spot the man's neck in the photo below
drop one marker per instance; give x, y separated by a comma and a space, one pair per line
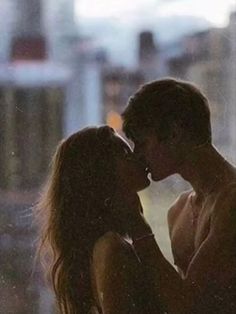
206, 170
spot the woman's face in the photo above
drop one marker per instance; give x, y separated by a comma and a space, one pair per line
132, 174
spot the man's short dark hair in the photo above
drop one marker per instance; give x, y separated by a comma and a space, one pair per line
163, 104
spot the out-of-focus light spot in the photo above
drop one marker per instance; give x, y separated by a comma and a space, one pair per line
114, 120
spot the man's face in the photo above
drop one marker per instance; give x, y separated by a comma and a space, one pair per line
156, 155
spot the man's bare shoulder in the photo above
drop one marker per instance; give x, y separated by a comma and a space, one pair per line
177, 207
223, 217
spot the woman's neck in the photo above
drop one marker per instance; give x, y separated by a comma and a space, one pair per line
124, 206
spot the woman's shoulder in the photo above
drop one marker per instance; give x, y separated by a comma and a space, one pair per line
112, 252
117, 273
115, 261
110, 244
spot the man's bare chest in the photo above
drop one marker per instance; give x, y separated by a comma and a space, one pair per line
188, 232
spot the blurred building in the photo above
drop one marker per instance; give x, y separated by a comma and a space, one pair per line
32, 98
211, 74
231, 82
28, 18
84, 91
32, 94
118, 85
194, 48
148, 56
66, 48
31, 125
28, 42
205, 61
7, 18
50, 86
60, 27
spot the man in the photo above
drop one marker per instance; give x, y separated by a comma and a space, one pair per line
169, 122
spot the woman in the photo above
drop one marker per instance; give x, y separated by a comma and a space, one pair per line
94, 269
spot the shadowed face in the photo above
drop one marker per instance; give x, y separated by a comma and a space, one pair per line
132, 173
156, 155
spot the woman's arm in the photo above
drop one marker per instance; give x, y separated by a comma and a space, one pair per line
164, 281
116, 272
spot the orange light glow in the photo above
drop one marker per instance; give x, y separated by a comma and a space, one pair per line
114, 120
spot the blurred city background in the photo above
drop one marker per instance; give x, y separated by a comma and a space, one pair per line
66, 64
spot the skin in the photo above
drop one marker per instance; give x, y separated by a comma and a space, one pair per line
115, 268
202, 226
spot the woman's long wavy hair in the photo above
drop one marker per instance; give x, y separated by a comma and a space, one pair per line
73, 213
